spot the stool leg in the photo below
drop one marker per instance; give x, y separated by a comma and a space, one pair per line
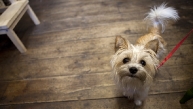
32, 15
14, 38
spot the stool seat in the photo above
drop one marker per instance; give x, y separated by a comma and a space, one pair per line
11, 13
11, 16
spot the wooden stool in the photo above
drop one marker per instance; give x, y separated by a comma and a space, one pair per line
11, 17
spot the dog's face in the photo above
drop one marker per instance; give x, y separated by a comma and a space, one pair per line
134, 65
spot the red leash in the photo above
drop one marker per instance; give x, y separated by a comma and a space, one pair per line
174, 49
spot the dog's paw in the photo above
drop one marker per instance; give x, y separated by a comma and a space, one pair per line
138, 102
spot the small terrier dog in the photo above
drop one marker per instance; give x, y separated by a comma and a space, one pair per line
134, 66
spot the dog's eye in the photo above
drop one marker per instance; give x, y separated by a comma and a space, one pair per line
125, 60
143, 63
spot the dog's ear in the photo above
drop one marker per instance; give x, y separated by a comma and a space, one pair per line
153, 45
121, 43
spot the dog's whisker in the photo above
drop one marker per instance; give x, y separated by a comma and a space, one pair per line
149, 75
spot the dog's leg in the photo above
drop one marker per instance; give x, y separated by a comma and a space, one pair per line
138, 102
140, 96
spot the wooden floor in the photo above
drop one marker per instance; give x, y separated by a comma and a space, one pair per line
67, 65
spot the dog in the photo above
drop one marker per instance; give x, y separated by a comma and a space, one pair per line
134, 66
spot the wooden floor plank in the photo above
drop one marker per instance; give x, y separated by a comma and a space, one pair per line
85, 47
79, 87
83, 64
166, 101
121, 11
162, 101
106, 31
96, 45
179, 57
129, 29
115, 103
2, 89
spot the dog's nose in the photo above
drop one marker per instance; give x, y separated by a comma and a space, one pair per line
133, 70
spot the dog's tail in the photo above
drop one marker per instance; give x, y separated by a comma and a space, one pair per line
159, 16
